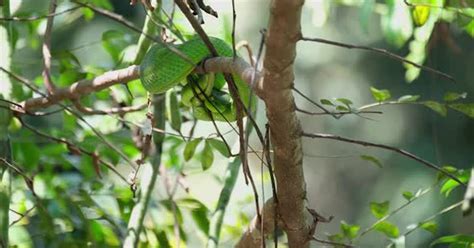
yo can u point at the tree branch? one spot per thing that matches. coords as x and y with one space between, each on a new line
252 237
386 147
48 82
284 31
382 52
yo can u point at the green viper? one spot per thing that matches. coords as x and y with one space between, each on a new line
162 69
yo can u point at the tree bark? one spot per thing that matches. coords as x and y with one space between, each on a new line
283 33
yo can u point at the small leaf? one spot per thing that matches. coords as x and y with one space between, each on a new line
190 148
448 169
336 237
207 156
344 101
387 228
379 210
372 159
349 231
380 95
453 96
450 184
342 108
114 43
467 109
87 13
173 113
220 146
408 98
430 226
420 14
408 195
456 239
326 102
437 107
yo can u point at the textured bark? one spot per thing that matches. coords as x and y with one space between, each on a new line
283 32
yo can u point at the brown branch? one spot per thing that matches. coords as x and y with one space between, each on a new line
386 147
252 237
284 30
34 18
381 51
48 82
83 87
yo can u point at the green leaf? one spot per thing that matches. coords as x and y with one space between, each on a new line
173 113
339 237
190 148
87 13
349 231
380 95
387 228
458 238
397 25
327 102
220 146
420 14
467 109
408 195
342 108
379 210
207 156
448 169
344 101
437 107
199 213
453 96
430 226
114 42
372 159
450 184
408 98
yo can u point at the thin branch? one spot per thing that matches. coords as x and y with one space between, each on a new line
386 147
337 113
381 51
110 111
327 242
22 216
316 104
395 211
34 18
48 82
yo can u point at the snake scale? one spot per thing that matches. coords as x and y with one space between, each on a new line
162 69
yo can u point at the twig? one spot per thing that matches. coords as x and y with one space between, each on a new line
327 242
315 103
48 82
234 17
34 18
111 111
382 52
337 113
22 216
386 147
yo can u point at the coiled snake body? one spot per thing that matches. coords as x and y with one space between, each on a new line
162 69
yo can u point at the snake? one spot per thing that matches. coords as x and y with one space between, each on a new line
163 69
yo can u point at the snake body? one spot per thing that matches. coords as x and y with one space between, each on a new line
163 69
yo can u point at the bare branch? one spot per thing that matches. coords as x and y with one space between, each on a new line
386 147
337 113
83 87
119 110
48 82
381 51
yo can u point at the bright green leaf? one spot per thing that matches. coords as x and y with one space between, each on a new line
326 102
190 148
349 231
380 95
467 109
207 156
437 107
453 96
220 146
342 108
408 195
387 228
430 226
372 159
408 98
379 210
420 14
459 238
344 101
